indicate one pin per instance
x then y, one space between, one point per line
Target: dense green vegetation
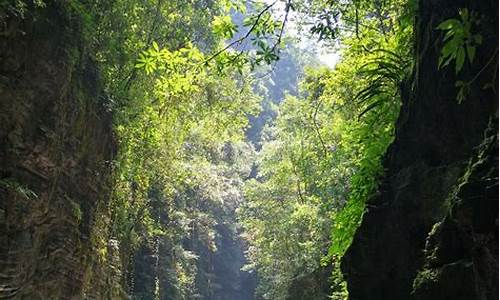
322 156
181 84
222 118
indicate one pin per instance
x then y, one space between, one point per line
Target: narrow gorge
240 150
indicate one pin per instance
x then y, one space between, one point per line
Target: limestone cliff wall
56 143
432 232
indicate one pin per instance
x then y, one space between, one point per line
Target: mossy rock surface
55 140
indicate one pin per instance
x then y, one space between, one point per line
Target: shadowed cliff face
418 237
55 148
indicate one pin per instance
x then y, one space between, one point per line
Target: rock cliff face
55 148
432 232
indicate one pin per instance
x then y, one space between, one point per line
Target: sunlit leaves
260 28
146 62
305 173
237 5
223 27
288 210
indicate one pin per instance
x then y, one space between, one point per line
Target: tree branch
285 19
241 39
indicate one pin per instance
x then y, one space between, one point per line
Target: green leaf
464 14
449 34
450 48
471 52
223 26
449 24
155 46
459 63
